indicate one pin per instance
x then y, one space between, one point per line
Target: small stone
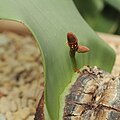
18 103
15 92
25 112
13 106
32 110
23 102
31 105
4 90
4 105
29 90
9 116
31 117
22 114
3 40
30 102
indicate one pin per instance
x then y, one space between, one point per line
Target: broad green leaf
95 12
49 21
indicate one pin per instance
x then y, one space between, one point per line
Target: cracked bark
95 95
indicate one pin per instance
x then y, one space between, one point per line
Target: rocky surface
21 77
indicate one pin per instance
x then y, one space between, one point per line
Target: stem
74 62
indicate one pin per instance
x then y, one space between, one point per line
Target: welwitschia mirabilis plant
50 21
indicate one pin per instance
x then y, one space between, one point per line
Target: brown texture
39 115
93 96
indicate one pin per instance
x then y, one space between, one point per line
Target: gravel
21 77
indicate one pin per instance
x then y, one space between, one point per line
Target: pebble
29 90
13 106
18 103
5 41
4 90
31 117
15 92
30 102
4 105
22 114
24 102
9 116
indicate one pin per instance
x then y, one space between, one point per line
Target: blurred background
101 15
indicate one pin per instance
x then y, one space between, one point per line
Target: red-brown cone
82 49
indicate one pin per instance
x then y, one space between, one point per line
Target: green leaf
49 21
96 15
